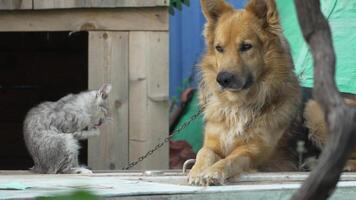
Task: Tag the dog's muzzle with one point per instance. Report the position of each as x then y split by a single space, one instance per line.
230 81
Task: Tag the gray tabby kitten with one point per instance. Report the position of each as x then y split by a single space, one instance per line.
52 130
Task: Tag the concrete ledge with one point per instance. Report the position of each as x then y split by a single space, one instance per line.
168 185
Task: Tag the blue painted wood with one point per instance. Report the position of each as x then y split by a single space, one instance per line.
186 42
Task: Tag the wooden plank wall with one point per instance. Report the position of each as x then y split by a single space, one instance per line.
63 4
153 19
137 63
50 4
108 63
15 4
148 97
129 48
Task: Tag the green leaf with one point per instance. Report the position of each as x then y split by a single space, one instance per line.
186 2
177 4
171 10
78 195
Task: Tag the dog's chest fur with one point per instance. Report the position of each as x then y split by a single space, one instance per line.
231 125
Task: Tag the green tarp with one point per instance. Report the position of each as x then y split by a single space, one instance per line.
193 134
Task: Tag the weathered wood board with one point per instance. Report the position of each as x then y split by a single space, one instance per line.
15 4
108 63
65 4
60 4
120 19
149 97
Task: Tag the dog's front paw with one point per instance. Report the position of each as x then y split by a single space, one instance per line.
208 177
213 176
193 176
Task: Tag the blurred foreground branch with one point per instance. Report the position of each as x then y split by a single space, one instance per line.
341 118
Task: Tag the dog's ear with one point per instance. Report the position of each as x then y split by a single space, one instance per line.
266 10
213 9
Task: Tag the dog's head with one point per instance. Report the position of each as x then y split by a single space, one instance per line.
240 43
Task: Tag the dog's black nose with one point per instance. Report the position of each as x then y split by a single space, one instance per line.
225 79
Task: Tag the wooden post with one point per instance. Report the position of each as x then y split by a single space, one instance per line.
108 63
149 97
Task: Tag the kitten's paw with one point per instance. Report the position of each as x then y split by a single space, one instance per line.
81 171
94 132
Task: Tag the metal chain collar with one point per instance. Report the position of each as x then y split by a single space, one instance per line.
166 140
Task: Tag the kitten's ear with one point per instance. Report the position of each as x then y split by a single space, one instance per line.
104 91
213 9
266 10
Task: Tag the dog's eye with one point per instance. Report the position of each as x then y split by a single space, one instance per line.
219 49
245 47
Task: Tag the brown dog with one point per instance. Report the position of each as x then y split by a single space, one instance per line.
249 92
